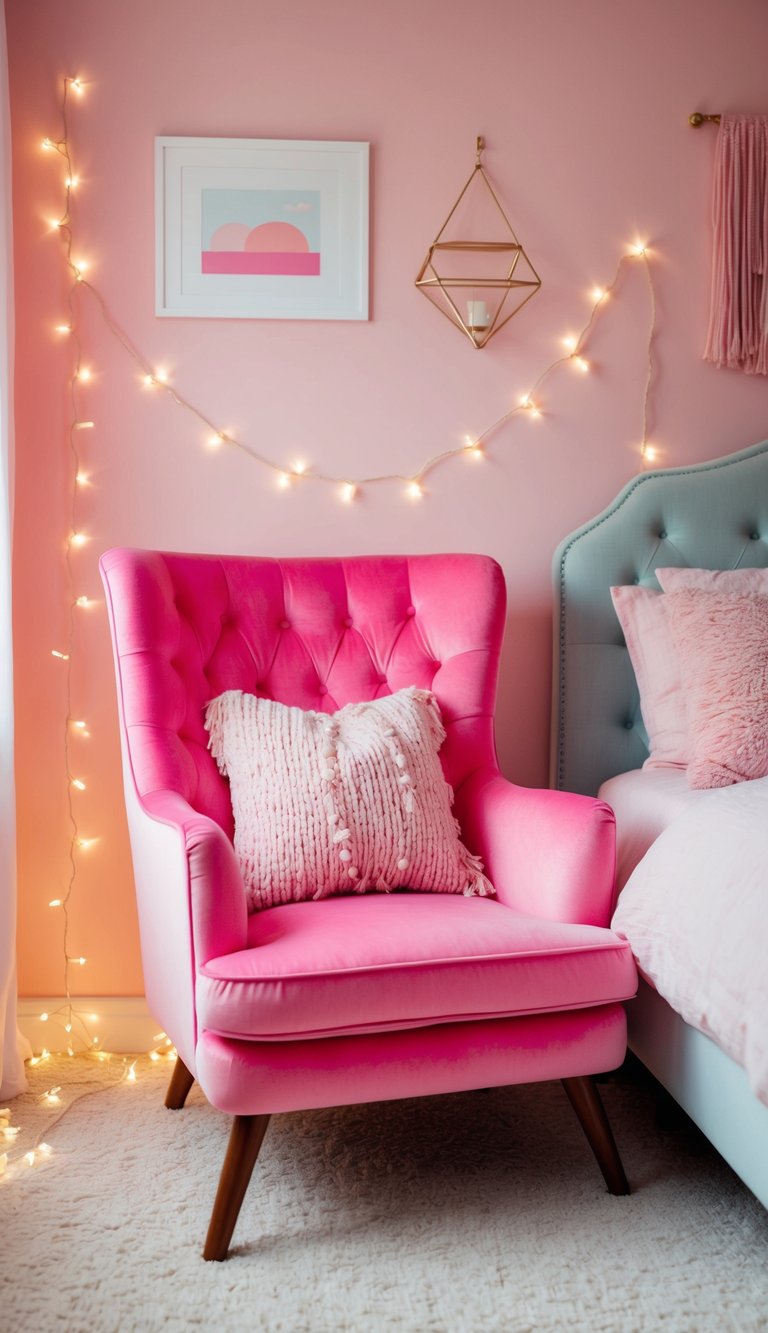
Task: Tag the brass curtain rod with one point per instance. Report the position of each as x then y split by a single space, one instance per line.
699 117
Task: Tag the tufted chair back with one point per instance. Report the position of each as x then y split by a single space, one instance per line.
314 633
353 997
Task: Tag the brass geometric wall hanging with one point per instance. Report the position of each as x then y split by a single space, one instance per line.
478 285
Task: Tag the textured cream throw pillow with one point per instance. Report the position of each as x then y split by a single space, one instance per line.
346 802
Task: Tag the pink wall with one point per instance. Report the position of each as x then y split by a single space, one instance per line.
584 108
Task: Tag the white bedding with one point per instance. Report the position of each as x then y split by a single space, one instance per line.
645 800
695 909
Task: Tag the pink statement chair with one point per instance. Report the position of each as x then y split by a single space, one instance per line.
358 998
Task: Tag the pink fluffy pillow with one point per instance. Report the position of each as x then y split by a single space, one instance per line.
714 580
642 615
329 803
722 649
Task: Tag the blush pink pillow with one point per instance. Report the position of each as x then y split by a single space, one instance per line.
329 803
648 636
714 580
722 648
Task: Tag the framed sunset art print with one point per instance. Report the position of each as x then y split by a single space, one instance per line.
261 228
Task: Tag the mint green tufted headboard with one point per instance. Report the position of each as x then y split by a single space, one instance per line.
708 516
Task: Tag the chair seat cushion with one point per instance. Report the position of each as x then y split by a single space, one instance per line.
403 960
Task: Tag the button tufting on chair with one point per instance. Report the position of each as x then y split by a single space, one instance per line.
359 997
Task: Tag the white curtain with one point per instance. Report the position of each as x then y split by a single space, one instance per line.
12 1048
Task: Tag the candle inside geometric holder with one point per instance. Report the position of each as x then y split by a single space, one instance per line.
478 285
478 317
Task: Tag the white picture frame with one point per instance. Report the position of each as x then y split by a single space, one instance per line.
261 228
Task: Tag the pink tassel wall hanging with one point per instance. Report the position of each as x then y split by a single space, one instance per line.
738 319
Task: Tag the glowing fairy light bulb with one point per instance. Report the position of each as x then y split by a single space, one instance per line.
83 601
283 480
44 1018
299 469
62 328
63 657
77 86
48 145
348 492
598 294
161 376
581 364
216 441
85 843
81 726
570 342
55 902
414 490
78 539
83 425
131 1075
72 182
650 452
638 248
78 783
83 479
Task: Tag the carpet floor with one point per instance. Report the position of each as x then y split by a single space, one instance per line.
479 1211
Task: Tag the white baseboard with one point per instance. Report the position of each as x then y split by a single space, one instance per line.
121 1022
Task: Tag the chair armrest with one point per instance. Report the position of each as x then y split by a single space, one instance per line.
191 904
218 906
549 853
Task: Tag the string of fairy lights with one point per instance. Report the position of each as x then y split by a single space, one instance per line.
77 1025
52 1104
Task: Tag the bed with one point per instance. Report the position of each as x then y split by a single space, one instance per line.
709 516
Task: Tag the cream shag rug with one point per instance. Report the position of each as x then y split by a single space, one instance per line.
480 1211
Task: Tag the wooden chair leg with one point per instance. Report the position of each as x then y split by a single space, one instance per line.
179 1086
585 1100
244 1143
